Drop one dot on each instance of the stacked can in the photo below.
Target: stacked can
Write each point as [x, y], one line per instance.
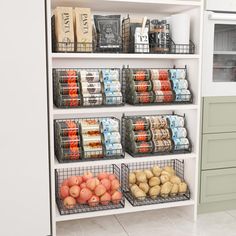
[111, 137]
[67, 140]
[180, 85]
[112, 87]
[66, 88]
[91, 138]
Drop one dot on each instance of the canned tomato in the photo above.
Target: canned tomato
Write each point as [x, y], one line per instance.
[181, 144]
[183, 95]
[161, 85]
[67, 128]
[92, 99]
[142, 147]
[69, 141]
[112, 86]
[111, 137]
[70, 153]
[65, 89]
[160, 134]
[91, 140]
[66, 76]
[137, 124]
[72, 100]
[90, 127]
[164, 145]
[179, 132]
[93, 151]
[141, 86]
[175, 121]
[91, 88]
[114, 149]
[164, 96]
[158, 122]
[139, 74]
[142, 98]
[159, 74]
[89, 76]
[180, 84]
[110, 125]
[115, 98]
[177, 74]
[141, 136]
[110, 74]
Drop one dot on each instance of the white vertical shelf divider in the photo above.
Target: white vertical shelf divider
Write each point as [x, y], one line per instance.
[192, 111]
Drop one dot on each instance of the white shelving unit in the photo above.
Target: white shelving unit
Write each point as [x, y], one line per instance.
[151, 8]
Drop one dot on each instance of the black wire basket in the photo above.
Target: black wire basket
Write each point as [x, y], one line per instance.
[63, 174]
[126, 169]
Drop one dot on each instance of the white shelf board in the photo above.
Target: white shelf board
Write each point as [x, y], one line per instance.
[224, 52]
[127, 209]
[57, 56]
[61, 113]
[126, 160]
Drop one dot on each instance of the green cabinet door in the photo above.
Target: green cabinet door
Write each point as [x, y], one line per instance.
[218, 185]
[219, 114]
[218, 151]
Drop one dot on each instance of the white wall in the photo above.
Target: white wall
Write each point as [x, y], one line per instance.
[24, 174]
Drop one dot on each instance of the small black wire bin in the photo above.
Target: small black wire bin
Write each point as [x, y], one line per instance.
[152, 86]
[88, 139]
[154, 182]
[88, 87]
[84, 199]
[155, 135]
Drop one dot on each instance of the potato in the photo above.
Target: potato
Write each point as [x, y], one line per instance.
[156, 170]
[154, 192]
[166, 173]
[154, 181]
[141, 195]
[134, 188]
[132, 178]
[141, 177]
[164, 178]
[175, 180]
[175, 190]
[144, 187]
[166, 189]
[170, 170]
[148, 173]
[183, 187]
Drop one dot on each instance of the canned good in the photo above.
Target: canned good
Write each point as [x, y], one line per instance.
[95, 151]
[141, 136]
[67, 128]
[164, 145]
[69, 141]
[142, 98]
[111, 137]
[164, 96]
[90, 127]
[161, 85]
[92, 99]
[180, 84]
[70, 153]
[183, 95]
[142, 147]
[175, 121]
[91, 88]
[72, 100]
[177, 74]
[110, 125]
[179, 132]
[114, 149]
[89, 76]
[91, 140]
[110, 74]
[158, 122]
[160, 134]
[181, 144]
[115, 98]
[112, 86]
[137, 124]
[66, 76]
[159, 74]
[139, 74]
[141, 86]
[66, 89]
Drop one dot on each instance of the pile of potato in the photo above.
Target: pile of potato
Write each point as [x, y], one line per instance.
[156, 182]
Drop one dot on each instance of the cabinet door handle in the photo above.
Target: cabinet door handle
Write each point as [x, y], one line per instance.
[222, 16]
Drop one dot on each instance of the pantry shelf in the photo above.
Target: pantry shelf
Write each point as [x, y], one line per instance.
[127, 159]
[127, 209]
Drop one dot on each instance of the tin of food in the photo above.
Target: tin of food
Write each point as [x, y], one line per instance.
[160, 134]
[180, 84]
[137, 124]
[114, 149]
[175, 121]
[139, 74]
[70, 153]
[89, 76]
[161, 85]
[91, 140]
[91, 88]
[141, 136]
[112, 86]
[142, 147]
[177, 74]
[111, 137]
[179, 132]
[90, 127]
[181, 144]
[110, 125]
[183, 95]
[159, 74]
[69, 141]
[164, 96]
[66, 89]
[92, 99]
[72, 100]
[110, 75]
[157, 122]
[115, 98]
[163, 146]
[143, 98]
[65, 76]
[93, 151]
[67, 128]
[141, 86]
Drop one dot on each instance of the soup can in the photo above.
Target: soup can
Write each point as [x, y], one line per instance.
[183, 95]
[142, 147]
[141, 86]
[91, 88]
[113, 98]
[92, 99]
[111, 137]
[143, 98]
[139, 74]
[89, 76]
[161, 85]
[177, 74]
[141, 136]
[72, 100]
[114, 149]
[112, 86]
[66, 89]
[175, 121]
[110, 75]
[160, 134]
[180, 84]
[158, 122]
[67, 128]
[181, 144]
[159, 74]
[164, 96]
[90, 126]
[93, 151]
[91, 140]
[70, 153]
[66, 76]
[137, 124]
[178, 133]
[163, 146]
[69, 141]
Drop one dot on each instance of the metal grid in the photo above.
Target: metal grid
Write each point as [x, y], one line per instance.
[177, 165]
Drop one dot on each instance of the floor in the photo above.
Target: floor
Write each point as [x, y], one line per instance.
[153, 223]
